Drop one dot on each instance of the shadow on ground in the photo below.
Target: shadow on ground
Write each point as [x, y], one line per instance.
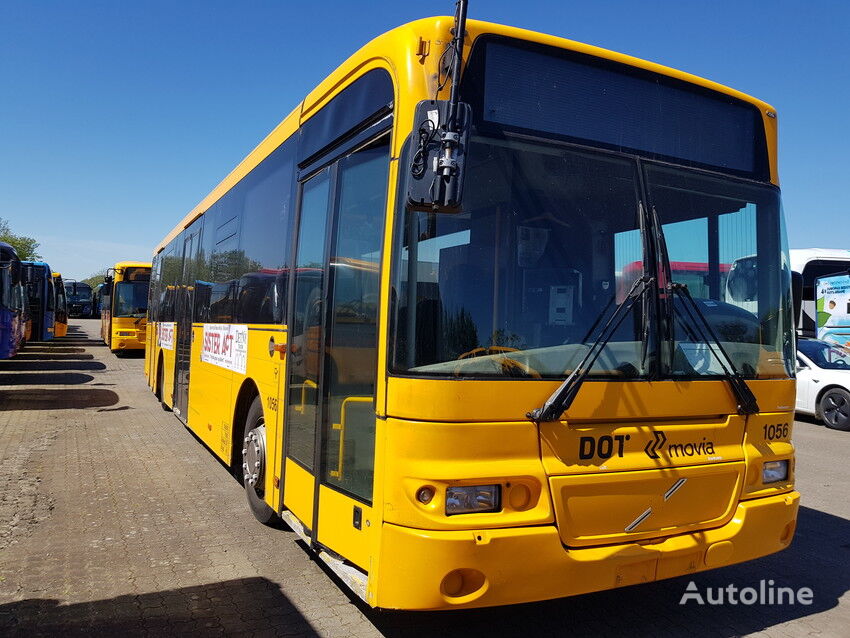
[50, 356]
[40, 378]
[14, 364]
[56, 399]
[130, 354]
[47, 348]
[227, 607]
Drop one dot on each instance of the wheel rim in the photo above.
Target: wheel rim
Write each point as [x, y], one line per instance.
[836, 410]
[254, 457]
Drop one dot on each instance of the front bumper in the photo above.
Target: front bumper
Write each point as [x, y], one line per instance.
[128, 340]
[478, 568]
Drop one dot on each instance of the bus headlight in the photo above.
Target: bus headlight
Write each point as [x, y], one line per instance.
[467, 499]
[774, 471]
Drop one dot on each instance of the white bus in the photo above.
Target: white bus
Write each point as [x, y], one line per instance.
[812, 263]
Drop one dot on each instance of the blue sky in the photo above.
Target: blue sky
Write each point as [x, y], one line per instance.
[139, 109]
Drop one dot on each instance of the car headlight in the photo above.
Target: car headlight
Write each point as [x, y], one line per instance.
[467, 499]
[774, 471]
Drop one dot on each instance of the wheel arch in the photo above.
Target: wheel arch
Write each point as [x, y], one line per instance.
[248, 391]
[158, 376]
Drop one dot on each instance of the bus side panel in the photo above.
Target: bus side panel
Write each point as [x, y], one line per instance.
[150, 352]
[265, 367]
[298, 492]
[336, 529]
[168, 356]
[211, 391]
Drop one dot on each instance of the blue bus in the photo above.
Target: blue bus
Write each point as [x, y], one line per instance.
[14, 315]
[41, 297]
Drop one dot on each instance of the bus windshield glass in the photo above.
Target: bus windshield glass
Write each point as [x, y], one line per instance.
[514, 285]
[131, 299]
[549, 240]
[83, 292]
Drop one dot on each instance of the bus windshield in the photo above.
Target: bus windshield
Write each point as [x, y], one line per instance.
[131, 299]
[83, 292]
[547, 242]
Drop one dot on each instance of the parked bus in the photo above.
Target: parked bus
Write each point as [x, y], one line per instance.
[832, 305]
[14, 314]
[97, 300]
[79, 296]
[41, 299]
[433, 382]
[124, 306]
[812, 263]
[61, 325]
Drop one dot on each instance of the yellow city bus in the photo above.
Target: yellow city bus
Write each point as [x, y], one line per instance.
[123, 316]
[402, 321]
[61, 325]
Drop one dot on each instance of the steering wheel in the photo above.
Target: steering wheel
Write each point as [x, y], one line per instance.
[841, 363]
[507, 366]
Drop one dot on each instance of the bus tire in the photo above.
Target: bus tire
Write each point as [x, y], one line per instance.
[254, 463]
[834, 409]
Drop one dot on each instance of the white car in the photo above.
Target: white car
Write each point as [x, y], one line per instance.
[823, 382]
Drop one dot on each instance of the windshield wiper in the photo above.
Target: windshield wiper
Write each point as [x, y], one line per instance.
[566, 393]
[747, 403]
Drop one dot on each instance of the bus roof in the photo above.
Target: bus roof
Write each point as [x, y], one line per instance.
[132, 264]
[801, 256]
[8, 252]
[415, 71]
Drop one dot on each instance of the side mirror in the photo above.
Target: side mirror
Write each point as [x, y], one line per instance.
[438, 156]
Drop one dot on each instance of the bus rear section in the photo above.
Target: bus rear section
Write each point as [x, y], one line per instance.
[61, 304]
[40, 298]
[124, 306]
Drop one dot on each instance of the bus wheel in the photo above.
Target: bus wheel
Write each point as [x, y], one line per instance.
[254, 463]
[835, 409]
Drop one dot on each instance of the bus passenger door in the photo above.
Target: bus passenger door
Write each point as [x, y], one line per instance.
[184, 307]
[305, 331]
[331, 375]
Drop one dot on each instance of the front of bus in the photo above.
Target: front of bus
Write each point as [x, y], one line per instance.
[129, 306]
[79, 296]
[671, 453]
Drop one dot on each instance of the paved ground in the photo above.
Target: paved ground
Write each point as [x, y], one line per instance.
[114, 519]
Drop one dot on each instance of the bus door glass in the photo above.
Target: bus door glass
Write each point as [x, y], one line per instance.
[305, 327]
[330, 427]
[183, 316]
